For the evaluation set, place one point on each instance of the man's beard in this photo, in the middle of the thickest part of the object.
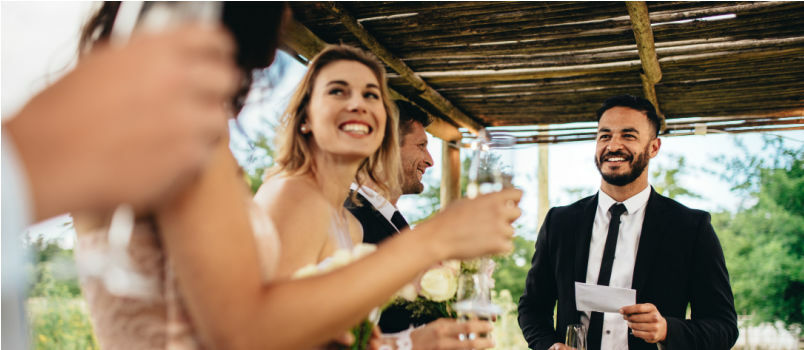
(638, 165)
(413, 186)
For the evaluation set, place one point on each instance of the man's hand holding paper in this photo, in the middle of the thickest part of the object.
(593, 297)
(645, 322)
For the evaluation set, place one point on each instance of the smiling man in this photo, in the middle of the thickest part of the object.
(381, 219)
(629, 236)
(379, 215)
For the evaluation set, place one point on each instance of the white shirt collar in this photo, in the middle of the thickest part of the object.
(632, 205)
(378, 201)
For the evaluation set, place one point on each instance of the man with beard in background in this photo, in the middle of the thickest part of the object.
(628, 236)
(381, 219)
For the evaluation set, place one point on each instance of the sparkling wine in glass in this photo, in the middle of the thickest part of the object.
(474, 301)
(576, 336)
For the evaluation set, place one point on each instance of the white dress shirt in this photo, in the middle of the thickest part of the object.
(615, 328)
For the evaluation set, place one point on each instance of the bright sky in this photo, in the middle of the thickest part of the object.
(39, 40)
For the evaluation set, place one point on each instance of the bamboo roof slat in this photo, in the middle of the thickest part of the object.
(524, 63)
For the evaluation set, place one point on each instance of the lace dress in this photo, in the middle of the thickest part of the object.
(147, 312)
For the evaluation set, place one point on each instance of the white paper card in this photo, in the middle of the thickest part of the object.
(593, 297)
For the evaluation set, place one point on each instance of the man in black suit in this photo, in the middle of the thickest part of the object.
(381, 219)
(378, 215)
(629, 236)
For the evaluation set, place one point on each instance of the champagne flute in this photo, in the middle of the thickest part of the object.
(491, 171)
(576, 336)
(487, 173)
(474, 301)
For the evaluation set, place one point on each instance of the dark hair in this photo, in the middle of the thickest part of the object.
(255, 26)
(408, 113)
(636, 103)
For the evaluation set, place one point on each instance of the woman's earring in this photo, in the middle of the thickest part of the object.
(304, 129)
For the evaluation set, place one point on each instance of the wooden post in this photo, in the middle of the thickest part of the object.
(544, 181)
(643, 34)
(450, 172)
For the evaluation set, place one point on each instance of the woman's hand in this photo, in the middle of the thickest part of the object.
(445, 333)
(473, 227)
(128, 123)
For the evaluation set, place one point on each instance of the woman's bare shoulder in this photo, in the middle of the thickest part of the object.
(292, 199)
(288, 189)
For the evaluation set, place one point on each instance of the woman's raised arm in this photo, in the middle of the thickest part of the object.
(207, 235)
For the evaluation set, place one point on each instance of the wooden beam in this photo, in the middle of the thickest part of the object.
(304, 42)
(443, 130)
(649, 91)
(450, 173)
(426, 92)
(643, 34)
(439, 127)
(651, 71)
(301, 40)
(680, 129)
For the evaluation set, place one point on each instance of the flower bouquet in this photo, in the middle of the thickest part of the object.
(362, 331)
(434, 294)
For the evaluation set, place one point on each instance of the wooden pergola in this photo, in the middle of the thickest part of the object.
(522, 67)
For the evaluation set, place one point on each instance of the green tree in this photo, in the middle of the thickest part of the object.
(54, 270)
(764, 242)
(57, 312)
(512, 269)
(260, 157)
(665, 180)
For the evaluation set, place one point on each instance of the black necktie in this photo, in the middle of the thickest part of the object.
(399, 221)
(596, 321)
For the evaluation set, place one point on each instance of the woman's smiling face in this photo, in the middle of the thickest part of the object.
(346, 115)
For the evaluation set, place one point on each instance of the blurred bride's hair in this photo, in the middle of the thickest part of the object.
(294, 153)
(255, 28)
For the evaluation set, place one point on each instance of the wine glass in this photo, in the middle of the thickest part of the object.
(576, 336)
(474, 301)
(490, 171)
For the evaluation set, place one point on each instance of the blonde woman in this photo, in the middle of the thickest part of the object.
(339, 128)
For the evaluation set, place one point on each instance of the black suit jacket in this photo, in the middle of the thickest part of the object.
(679, 261)
(377, 228)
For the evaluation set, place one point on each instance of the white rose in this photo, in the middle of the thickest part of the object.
(455, 265)
(340, 258)
(408, 292)
(439, 284)
(306, 271)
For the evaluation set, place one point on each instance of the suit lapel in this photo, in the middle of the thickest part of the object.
(583, 236)
(649, 241)
(378, 217)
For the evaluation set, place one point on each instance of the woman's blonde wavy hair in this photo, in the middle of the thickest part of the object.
(294, 152)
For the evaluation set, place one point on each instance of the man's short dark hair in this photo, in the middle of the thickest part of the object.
(408, 113)
(635, 103)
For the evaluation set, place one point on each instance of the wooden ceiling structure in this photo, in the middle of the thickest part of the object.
(524, 67)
